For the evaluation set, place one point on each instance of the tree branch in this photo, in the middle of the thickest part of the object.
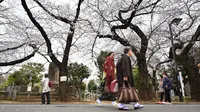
(71, 34)
(166, 61)
(143, 37)
(194, 38)
(120, 40)
(44, 56)
(94, 45)
(127, 21)
(63, 19)
(153, 4)
(78, 11)
(7, 71)
(153, 51)
(13, 48)
(18, 61)
(43, 33)
(1, 1)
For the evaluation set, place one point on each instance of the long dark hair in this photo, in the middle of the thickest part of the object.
(110, 53)
(46, 75)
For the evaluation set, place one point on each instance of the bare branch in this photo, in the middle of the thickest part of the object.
(7, 71)
(144, 40)
(1, 1)
(151, 5)
(44, 56)
(22, 59)
(160, 63)
(94, 45)
(194, 38)
(71, 34)
(158, 26)
(63, 19)
(193, 19)
(78, 11)
(128, 20)
(120, 40)
(43, 33)
(153, 51)
(18, 61)
(13, 48)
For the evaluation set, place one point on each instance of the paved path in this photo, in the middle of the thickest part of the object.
(94, 108)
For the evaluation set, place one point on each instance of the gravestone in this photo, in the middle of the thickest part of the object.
(14, 94)
(23, 88)
(53, 73)
(9, 91)
(54, 77)
(187, 89)
(36, 89)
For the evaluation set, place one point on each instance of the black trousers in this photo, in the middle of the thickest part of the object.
(167, 96)
(108, 96)
(161, 96)
(47, 95)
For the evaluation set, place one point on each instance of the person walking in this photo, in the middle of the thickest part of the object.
(167, 86)
(124, 73)
(161, 90)
(109, 70)
(45, 89)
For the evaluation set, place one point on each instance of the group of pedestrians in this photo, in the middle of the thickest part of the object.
(123, 73)
(165, 86)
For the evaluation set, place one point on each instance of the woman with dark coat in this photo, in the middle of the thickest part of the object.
(124, 73)
(167, 86)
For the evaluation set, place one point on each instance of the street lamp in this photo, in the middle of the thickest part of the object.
(175, 21)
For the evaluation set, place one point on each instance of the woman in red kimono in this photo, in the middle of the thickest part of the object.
(109, 70)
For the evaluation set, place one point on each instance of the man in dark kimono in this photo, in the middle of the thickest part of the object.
(124, 73)
(109, 70)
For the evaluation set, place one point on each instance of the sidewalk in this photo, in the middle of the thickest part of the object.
(89, 102)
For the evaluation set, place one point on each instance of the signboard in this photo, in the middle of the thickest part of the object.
(29, 88)
(63, 78)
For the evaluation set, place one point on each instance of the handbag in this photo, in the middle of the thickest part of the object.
(128, 94)
(114, 86)
(161, 90)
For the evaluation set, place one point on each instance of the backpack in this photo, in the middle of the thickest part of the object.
(50, 84)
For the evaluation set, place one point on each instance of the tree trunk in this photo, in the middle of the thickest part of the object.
(191, 70)
(64, 87)
(32, 85)
(80, 94)
(145, 88)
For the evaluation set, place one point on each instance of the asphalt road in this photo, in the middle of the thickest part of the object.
(94, 108)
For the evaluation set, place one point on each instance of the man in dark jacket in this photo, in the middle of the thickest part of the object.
(124, 73)
(167, 86)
